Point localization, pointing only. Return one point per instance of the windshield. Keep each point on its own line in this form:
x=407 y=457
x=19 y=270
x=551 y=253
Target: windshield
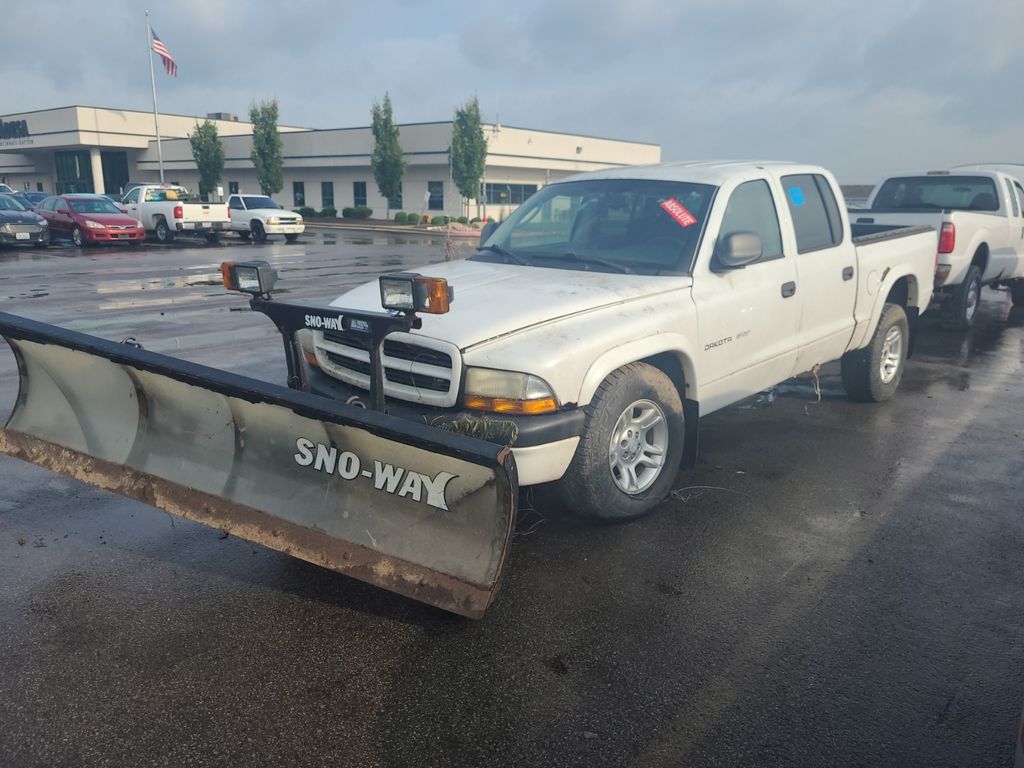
x=8 y=203
x=626 y=225
x=951 y=193
x=259 y=201
x=92 y=205
x=159 y=194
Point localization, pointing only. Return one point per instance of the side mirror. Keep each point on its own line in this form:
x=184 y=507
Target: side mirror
x=488 y=230
x=738 y=249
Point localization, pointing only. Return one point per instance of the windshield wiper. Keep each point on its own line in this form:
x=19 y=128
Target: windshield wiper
x=505 y=253
x=578 y=258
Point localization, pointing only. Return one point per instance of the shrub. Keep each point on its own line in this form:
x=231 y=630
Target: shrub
x=475 y=220
x=401 y=217
x=438 y=221
x=347 y=213
x=362 y=212
x=306 y=212
x=462 y=220
x=329 y=212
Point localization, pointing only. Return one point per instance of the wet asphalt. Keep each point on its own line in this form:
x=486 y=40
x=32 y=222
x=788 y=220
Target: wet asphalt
x=835 y=584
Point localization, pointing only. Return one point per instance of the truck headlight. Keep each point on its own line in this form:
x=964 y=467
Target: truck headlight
x=255 y=277
x=93 y=224
x=410 y=292
x=488 y=389
x=273 y=220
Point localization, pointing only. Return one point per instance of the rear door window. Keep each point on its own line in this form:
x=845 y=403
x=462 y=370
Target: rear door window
x=1013 y=198
x=815 y=213
x=752 y=209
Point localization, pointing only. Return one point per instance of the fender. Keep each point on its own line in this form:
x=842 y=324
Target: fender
x=891 y=276
x=631 y=352
x=964 y=258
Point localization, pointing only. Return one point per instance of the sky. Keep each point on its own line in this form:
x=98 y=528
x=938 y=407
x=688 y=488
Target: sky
x=865 y=88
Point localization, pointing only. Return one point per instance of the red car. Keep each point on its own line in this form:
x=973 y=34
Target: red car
x=89 y=219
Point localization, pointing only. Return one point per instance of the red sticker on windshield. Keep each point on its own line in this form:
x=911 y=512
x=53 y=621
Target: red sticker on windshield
x=678 y=211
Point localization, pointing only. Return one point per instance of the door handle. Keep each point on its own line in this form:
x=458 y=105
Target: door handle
x=788 y=289
x=847 y=273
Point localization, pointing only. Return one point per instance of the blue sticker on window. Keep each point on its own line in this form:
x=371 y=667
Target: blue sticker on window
x=796 y=196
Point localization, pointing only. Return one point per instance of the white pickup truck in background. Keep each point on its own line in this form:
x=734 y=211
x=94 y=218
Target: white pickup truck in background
x=599 y=322
x=980 y=217
x=258 y=216
x=166 y=210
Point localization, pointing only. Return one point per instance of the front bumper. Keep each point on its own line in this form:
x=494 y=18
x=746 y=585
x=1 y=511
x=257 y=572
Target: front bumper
x=114 y=235
x=543 y=445
x=284 y=229
x=25 y=238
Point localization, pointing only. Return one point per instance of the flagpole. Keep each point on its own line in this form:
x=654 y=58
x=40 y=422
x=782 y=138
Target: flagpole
x=152 y=82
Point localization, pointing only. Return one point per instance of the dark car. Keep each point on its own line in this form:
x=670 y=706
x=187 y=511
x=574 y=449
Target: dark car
x=36 y=197
x=20 y=225
x=88 y=219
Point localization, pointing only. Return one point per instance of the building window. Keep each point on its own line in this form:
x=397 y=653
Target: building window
x=327 y=194
x=436 y=191
x=396 y=201
x=299 y=193
x=359 y=194
x=39 y=186
x=508 y=194
x=232 y=187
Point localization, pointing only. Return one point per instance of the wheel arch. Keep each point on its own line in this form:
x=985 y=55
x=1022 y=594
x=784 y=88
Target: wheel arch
x=667 y=355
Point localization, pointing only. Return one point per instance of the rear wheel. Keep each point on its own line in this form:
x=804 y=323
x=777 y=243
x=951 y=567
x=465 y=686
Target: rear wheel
x=259 y=234
x=1017 y=292
x=77 y=237
x=873 y=374
x=630 y=449
x=244 y=234
x=291 y=238
x=962 y=306
x=163 y=232
x=212 y=237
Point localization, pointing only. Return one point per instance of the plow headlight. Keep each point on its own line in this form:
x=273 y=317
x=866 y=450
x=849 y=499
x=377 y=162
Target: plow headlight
x=255 y=277
x=497 y=391
x=409 y=292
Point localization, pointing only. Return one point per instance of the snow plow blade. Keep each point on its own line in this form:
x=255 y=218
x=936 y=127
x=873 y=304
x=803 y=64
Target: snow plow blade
x=412 y=509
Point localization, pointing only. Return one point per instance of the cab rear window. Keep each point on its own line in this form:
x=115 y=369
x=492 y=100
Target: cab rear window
x=937 y=193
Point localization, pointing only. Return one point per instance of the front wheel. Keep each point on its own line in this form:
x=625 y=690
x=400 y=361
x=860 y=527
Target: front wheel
x=630 y=449
x=962 y=306
x=872 y=374
x=77 y=237
x=259 y=234
x=291 y=238
x=163 y=232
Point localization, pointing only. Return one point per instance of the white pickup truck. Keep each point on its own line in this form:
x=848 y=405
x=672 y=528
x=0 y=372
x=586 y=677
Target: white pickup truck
x=167 y=210
x=980 y=217
x=595 y=326
x=258 y=216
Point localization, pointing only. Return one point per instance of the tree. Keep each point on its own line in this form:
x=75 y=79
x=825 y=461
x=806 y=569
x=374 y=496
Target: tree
x=386 y=161
x=208 y=152
x=469 y=149
x=266 y=146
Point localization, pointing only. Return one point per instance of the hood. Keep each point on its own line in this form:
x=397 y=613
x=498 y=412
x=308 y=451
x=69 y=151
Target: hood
x=19 y=217
x=110 y=219
x=494 y=300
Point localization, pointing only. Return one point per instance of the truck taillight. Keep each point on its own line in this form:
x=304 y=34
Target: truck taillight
x=947 y=238
x=179 y=212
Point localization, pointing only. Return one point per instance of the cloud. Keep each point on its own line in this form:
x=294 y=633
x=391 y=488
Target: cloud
x=860 y=88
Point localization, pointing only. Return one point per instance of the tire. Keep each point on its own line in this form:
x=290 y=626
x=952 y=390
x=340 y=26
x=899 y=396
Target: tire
x=243 y=234
x=163 y=232
x=291 y=238
x=962 y=307
x=212 y=237
x=1017 y=292
x=259 y=234
x=77 y=237
x=595 y=485
x=873 y=374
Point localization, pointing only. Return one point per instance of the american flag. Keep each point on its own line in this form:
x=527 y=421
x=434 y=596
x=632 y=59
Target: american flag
x=170 y=65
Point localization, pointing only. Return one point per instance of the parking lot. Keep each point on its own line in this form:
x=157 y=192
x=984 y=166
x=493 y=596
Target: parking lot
x=834 y=584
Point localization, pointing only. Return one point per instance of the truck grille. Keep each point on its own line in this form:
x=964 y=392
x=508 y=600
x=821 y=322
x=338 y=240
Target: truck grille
x=416 y=368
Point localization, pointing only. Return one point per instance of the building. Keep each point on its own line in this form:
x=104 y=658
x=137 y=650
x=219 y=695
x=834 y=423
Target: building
x=92 y=149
